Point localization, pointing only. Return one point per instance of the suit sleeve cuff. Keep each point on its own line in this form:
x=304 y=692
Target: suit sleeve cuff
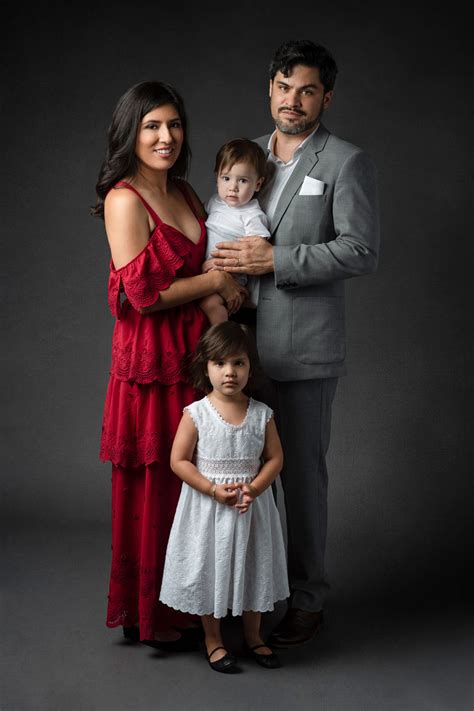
x=285 y=276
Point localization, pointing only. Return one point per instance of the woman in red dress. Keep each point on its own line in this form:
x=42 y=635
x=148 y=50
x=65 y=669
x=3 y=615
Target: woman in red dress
x=155 y=228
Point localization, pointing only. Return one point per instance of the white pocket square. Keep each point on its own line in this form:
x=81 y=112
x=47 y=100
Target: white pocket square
x=312 y=186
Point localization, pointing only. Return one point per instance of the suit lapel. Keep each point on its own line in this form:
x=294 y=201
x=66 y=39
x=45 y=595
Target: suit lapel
x=306 y=163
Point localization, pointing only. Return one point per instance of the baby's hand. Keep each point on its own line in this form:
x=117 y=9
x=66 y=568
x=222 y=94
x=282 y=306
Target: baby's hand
x=227 y=494
x=208 y=266
x=246 y=499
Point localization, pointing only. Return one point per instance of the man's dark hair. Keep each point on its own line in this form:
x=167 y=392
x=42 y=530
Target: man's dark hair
x=305 y=52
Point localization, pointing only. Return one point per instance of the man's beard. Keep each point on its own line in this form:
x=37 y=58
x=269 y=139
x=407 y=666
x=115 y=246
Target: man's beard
x=295 y=127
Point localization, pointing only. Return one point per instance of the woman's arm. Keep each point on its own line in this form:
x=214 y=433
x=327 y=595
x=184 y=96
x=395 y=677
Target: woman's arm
x=188 y=289
x=273 y=462
x=128 y=232
x=126 y=225
x=181 y=463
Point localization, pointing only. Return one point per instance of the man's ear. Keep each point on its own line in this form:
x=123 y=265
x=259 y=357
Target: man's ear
x=327 y=99
x=270 y=88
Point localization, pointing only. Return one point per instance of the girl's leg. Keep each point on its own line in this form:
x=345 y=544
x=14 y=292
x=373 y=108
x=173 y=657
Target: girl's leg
x=252 y=622
x=213 y=638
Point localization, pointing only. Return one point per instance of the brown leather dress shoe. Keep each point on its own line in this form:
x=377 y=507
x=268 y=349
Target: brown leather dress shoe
x=297 y=627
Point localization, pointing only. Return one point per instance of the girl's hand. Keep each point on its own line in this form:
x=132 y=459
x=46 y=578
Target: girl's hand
x=249 y=494
x=233 y=293
x=227 y=494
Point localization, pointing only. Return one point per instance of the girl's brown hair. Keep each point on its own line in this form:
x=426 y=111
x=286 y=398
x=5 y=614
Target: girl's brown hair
x=218 y=342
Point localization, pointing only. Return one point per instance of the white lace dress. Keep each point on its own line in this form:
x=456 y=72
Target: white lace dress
x=218 y=559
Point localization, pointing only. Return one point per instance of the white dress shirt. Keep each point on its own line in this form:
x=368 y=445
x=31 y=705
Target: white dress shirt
x=273 y=188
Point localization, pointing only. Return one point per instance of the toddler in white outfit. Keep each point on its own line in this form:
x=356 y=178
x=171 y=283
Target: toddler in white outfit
x=234 y=212
x=226 y=549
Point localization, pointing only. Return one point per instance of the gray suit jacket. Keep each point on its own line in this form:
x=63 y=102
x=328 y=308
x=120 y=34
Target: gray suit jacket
x=319 y=241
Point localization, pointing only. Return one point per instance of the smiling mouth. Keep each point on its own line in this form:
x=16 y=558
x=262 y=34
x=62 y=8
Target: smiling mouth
x=163 y=151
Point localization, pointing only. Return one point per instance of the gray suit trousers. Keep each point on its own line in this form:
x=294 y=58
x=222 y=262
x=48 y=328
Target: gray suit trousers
x=303 y=417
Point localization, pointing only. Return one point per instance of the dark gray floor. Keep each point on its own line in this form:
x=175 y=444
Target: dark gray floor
x=59 y=656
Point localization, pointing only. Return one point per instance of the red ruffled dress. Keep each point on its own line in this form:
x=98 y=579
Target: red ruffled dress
x=144 y=402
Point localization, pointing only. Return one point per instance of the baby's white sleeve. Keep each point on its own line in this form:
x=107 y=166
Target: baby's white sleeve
x=257 y=224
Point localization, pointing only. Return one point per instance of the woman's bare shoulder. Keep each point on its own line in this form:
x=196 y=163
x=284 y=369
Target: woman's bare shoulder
x=121 y=198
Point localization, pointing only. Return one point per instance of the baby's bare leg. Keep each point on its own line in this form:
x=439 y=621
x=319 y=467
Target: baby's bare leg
x=214 y=308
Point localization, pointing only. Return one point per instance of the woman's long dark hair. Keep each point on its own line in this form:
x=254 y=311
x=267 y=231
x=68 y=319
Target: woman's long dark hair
x=120 y=158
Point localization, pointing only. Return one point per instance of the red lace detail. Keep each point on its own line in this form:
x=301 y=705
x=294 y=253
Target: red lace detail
x=122 y=608
x=130 y=451
x=152 y=271
x=127 y=568
x=144 y=366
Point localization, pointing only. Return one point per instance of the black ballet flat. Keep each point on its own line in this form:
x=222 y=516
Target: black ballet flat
x=268 y=661
x=225 y=665
x=131 y=633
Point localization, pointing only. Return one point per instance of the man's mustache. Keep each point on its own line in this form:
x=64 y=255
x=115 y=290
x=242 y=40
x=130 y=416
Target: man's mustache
x=291 y=108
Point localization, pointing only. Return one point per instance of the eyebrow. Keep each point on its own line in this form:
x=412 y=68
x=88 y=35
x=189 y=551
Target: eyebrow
x=239 y=175
x=176 y=118
x=306 y=86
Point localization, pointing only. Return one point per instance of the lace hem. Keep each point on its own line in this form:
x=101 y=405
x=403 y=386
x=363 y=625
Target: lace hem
x=192 y=609
x=145 y=366
x=129 y=451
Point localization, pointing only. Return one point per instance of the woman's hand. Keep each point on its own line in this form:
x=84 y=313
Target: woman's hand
x=227 y=494
x=233 y=293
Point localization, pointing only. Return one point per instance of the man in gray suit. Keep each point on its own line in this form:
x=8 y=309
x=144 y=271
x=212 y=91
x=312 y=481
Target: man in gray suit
x=321 y=199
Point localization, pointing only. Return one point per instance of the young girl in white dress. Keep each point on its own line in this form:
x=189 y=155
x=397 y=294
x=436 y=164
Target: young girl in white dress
x=226 y=549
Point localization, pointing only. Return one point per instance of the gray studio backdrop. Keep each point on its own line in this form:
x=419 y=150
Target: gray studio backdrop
x=400 y=488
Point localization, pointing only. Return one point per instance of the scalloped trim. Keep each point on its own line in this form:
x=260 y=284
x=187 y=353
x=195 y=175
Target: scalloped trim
x=236 y=612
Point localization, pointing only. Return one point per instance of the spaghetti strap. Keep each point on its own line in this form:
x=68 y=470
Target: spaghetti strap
x=157 y=220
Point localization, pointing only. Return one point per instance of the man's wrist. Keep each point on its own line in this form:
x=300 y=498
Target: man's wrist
x=271 y=266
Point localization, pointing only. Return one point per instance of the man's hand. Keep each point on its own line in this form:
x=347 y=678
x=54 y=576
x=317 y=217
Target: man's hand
x=249 y=255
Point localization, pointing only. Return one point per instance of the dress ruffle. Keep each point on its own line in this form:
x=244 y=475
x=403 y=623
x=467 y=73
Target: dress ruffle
x=149 y=347
x=150 y=272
